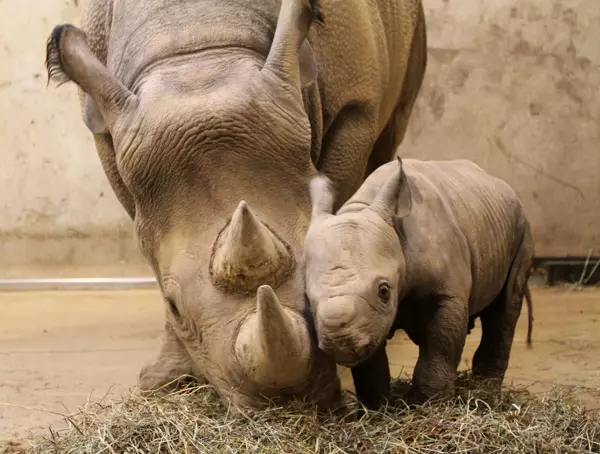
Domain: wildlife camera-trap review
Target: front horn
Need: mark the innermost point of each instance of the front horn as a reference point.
(273, 346)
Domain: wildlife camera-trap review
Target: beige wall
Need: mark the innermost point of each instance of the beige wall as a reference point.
(57, 206)
(515, 86)
(512, 84)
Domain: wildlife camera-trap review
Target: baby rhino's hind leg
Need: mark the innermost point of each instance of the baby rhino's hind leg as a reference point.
(499, 320)
(498, 323)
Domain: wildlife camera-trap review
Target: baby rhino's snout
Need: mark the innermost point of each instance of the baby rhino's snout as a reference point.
(338, 335)
(336, 315)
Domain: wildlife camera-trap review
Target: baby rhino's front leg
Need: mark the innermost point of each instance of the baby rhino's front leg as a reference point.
(372, 379)
(440, 350)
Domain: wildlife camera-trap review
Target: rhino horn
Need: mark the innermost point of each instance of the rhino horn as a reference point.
(249, 254)
(291, 57)
(273, 346)
(393, 201)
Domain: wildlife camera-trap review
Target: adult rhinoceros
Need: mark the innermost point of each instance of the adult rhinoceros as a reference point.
(201, 109)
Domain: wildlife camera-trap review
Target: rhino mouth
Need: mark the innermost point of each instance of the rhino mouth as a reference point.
(348, 351)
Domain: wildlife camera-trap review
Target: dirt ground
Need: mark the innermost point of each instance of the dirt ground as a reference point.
(57, 349)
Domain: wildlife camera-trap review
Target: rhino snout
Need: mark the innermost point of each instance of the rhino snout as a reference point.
(336, 315)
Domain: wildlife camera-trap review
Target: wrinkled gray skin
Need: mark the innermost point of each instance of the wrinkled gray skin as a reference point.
(423, 246)
(210, 117)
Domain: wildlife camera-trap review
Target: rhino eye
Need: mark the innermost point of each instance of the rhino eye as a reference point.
(384, 292)
(173, 307)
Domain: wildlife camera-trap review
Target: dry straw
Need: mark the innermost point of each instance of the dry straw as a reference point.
(192, 420)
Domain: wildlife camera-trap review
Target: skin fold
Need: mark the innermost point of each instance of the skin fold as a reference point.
(426, 247)
(210, 117)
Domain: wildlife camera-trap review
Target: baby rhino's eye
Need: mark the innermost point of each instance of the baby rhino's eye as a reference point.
(384, 292)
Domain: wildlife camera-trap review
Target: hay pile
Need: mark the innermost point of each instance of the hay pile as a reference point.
(192, 421)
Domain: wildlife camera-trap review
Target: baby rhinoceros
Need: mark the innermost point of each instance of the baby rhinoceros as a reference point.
(423, 246)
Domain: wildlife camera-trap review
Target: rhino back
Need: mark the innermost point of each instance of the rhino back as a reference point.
(484, 210)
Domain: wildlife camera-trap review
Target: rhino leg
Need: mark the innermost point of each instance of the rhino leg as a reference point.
(440, 351)
(498, 323)
(393, 134)
(351, 131)
(499, 320)
(385, 146)
(345, 151)
(173, 362)
(372, 380)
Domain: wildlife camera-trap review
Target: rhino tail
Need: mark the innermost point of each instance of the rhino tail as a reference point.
(529, 314)
(518, 284)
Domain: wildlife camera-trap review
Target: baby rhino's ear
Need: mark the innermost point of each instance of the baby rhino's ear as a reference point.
(322, 197)
(404, 202)
(393, 201)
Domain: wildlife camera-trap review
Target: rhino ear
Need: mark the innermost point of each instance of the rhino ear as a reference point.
(92, 116)
(393, 201)
(322, 196)
(291, 58)
(69, 58)
(404, 203)
(308, 65)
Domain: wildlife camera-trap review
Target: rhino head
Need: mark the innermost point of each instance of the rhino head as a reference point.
(215, 156)
(355, 268)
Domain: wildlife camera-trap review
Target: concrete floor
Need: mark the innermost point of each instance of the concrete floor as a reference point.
(57, 349)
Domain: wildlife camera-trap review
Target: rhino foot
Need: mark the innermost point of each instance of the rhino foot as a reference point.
(416, 397)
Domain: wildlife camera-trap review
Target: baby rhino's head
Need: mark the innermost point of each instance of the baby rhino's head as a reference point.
(354, 268)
